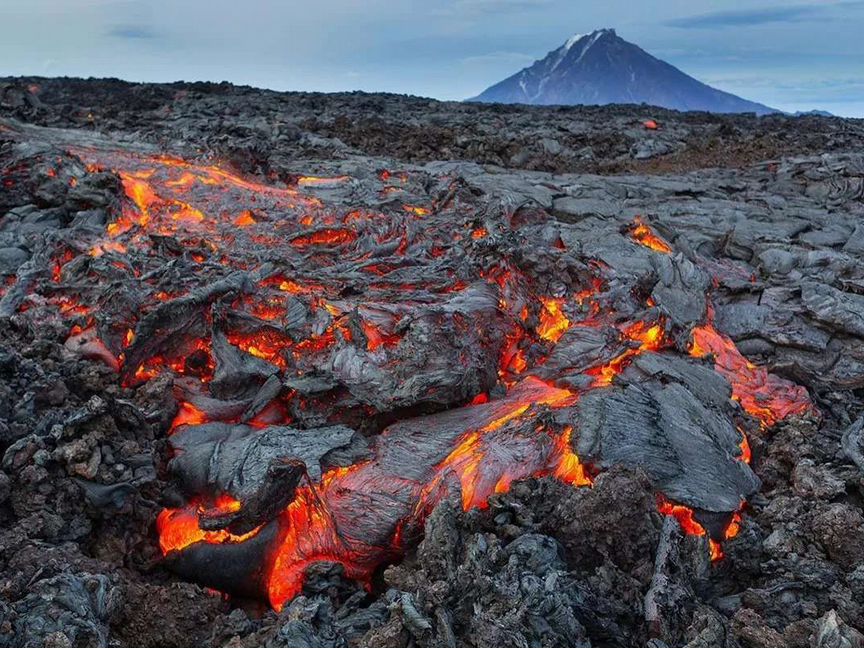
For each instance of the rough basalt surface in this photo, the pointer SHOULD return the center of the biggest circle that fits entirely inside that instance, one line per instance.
(761, 243)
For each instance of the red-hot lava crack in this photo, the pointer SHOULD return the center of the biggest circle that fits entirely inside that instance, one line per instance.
(344, 359)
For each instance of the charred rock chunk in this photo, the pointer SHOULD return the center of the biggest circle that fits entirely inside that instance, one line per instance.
(681, 289)
(259, 468)
(839, 310)
(238, 374)
(448, 354)
(166, 327)
(238, 568)
(672, 423)
(66, 609)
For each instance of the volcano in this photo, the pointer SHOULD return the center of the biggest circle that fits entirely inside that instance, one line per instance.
(321, 399)
(602, 68)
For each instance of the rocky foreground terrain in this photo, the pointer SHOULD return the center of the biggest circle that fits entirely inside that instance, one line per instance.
(574, 247)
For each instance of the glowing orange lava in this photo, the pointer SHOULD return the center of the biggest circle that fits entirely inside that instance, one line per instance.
(646, 236)
(688, 523)
(313, 181)
(245, 219)
(179, 528)
(762, 395)
(417, 211)
(553, 322)
(188, 414)
(567, 467)
(325, 237)
(309, 527)
(650, 338)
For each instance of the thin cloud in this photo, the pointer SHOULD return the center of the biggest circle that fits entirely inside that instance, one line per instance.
(751, 17)
(492, 7)
(499, 57)
(502, 5)
(132, 32)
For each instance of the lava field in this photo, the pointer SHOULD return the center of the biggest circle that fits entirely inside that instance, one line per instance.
(326, 371)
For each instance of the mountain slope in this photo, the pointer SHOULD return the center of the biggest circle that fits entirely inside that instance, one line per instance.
(602, 68)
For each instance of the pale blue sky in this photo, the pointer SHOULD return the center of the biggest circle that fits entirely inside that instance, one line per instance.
(792, 56)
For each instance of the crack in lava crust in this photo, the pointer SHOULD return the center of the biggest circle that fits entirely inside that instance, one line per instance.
(288, 314)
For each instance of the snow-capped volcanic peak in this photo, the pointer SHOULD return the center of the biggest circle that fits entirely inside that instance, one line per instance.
(573, 40)
(602, 68)
(582, 42)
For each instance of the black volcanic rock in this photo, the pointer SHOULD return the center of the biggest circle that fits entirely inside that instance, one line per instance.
(602, 68)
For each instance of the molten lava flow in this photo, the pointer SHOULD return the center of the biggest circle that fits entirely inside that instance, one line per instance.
(746, 454)
(325, 237)
(139, 191)
(226, 504)
(375, 338)
(765, 397)
(85, 341)
(179, 528)
(188, 414)
(683, 514)
(465, 461)
(762, 395)
(512, 357)
(325, 521)
(245, 219)
(311, 523)
(57, 268)
(196, 361)
(650, 338)
(314, 181)
(646, 236)
(688, 523)
(108, 246)
(268, 344)
(310, 535)
(567, 466)
(8, 282)
(553, 322)
(417, 211)
(321, 281)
